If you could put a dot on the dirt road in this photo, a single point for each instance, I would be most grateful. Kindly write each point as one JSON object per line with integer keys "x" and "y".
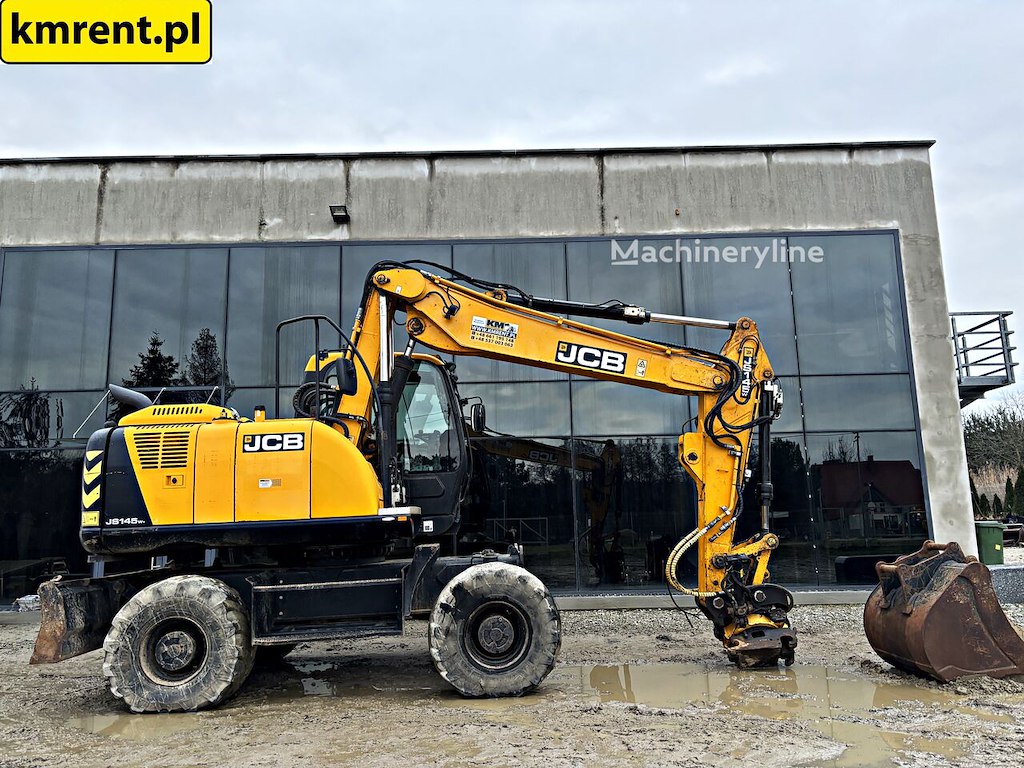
{"x": 632, "y": 688}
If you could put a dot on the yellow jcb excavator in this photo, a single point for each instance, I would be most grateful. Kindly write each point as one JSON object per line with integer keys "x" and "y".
{"x": 268, "y": 532}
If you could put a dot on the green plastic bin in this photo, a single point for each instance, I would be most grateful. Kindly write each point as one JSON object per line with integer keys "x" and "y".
{"x": 990, "y": 541}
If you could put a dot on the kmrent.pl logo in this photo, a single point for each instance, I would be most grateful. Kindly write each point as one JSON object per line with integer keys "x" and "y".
{"x": 776, "y": 250}
{"x": 106, "y": 31}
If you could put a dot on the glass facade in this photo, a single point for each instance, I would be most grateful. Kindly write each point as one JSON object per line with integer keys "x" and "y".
{"x": 585, "y": 471}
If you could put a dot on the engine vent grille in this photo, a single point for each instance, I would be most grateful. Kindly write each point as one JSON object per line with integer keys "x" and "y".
{"x": 177, "y": 410}
{"x": 162, "y": 450}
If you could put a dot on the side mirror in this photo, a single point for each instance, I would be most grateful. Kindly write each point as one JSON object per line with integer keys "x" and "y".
{"x": 347, "y": 381}
{"x": 478, "y": 417}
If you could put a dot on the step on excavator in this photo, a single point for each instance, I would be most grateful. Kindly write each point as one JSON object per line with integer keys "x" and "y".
{"x": 260, "y": 533}
{"x": 935, "y": 614}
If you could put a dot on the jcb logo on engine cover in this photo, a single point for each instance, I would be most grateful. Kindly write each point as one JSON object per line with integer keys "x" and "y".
{"x": 289, "y": 441}
{"x": 591, "y": 357}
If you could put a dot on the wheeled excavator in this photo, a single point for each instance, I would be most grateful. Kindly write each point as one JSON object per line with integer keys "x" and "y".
{"x": 265, "y": 532}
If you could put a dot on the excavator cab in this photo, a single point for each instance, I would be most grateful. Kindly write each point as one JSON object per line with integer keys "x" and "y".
{"x": 431, "y": 444}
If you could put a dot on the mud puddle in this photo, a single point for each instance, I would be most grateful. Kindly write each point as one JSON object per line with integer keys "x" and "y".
{"x": 835, "y": 704}
{"x": 841, "y": 706}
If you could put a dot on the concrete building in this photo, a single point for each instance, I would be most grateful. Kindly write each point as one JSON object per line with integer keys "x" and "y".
{"x": 833, "y": 249}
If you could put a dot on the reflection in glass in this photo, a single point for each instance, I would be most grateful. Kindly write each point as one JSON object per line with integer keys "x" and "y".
{"x": 611, "y": 408}
{"x": 521, "y": 489}
{"x": 657, "y": 287}
{"x": 849, "y": 307}
{"x": 633, "y": 503}
{"x": 175, "y": 294}
{"x": 39, "y": 517}
{"x": 868, "y": 492}
{"x": 857, "y": 402}
{"x": 268, "y": 285}
{"x": 55, "y": 319}
{"x": 536, "y": 268}
{"x": 45, "y": 419}
{"x": 528, "y": 409}
{"x": 755, "y": 285}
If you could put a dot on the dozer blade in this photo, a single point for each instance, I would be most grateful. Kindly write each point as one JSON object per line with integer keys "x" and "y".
{"x": 935, "y": 613}
{"x": 75, "y": 617}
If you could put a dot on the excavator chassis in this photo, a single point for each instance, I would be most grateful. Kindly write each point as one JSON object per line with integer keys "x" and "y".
{"x": 935, "y": 613}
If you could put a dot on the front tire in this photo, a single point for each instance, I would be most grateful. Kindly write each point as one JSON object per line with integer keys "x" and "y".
{"x": 495, "y": 631}
{"x": 179, "y": 645}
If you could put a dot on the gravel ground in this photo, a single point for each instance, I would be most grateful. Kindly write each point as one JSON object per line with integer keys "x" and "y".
{"x": 631, "y": 688}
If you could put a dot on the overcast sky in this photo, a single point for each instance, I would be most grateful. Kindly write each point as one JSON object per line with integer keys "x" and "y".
{"x": 334, "y": 76}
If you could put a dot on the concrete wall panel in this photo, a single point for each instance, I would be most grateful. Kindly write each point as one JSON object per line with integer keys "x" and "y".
{"x": 49, "y": 204}
{"x": 181, "y": 202}
{"x": 296, "y": 199}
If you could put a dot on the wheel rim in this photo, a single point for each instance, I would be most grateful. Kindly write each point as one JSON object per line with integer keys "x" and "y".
{"x": 497, "y": 636}
{"x": 175, "y": 651}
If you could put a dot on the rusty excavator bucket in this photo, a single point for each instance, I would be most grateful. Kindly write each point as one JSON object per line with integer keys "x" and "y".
{"x": 935, "y": 613}
{"x": 75, "y": 617}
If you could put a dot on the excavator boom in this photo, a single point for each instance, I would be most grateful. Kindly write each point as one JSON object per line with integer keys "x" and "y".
{"x": 735, "y": 390}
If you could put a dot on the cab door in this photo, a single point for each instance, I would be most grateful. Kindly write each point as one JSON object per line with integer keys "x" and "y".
{"x": 431, "y": 447}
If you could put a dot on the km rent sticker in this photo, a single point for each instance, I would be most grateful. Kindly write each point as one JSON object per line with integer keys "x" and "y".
{"x": 105, "y": 31}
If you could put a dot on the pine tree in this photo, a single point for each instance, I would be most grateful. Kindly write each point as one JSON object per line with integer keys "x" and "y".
{"x": 1009, "y": 498}
{"x": 997, "y": 507}
{"x": 155, "y": 369}
{"x": 1018, "y": 490}
{"x": 975, "y": 501}
{"x": 984, "y": 506}
{"x": 205, "y": 368}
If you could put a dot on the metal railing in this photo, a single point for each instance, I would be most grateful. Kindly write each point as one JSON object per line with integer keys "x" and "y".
{"x": 984, "y": 356}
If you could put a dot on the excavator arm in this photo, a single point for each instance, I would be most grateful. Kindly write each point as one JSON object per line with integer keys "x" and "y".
{"x": 735, "y": 391}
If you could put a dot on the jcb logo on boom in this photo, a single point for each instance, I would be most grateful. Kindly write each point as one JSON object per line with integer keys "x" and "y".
{"x": 289, "y": 441}
{"x": 591, "y": 357}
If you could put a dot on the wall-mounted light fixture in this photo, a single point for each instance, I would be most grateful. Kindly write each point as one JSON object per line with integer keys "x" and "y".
{"x": 340, "y": 214}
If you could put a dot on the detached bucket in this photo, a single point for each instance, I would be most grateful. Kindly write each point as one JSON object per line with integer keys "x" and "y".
{"x": 935, "y": 613}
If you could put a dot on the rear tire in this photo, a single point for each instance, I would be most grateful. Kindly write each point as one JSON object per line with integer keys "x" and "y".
{"x": 495, "y": 631}
{"x": 181, "y": 644}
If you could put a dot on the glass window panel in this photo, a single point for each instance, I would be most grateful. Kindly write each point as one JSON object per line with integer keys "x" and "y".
{"x": 39, "y": 518}
{"x": 42, "y": 418}
{"x": 524, "y": 409}
{"x": 268, "y": 285}
{"x": 735, "y": 277}
{"x": 798, "y": 558}
{"x": 849, "y": 307}
{"x": 611, "y": 408}
{"x": 426, "y": 441}
{"x": 523, "y": 485}
{"x": 868, "y": 494}
{"x": 857, "y": 402}
{"x": 633, "y": 503}
{"x": 55, "y": 318}
{"x": 536, "y": 268}
{"x": 175, "y": 293}
{"x": 791, "y": 419}
{"x": 655, "y": 286}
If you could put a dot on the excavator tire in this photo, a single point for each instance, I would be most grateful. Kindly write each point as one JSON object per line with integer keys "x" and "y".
{"x": 180, "y": 644}
{"x": 495, "y": 631}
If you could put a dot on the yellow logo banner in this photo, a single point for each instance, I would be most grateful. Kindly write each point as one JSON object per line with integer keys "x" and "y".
{"x": 106, "y": 31}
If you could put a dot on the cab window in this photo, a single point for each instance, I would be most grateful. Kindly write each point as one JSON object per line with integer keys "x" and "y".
{"x": 427, "y": 440}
